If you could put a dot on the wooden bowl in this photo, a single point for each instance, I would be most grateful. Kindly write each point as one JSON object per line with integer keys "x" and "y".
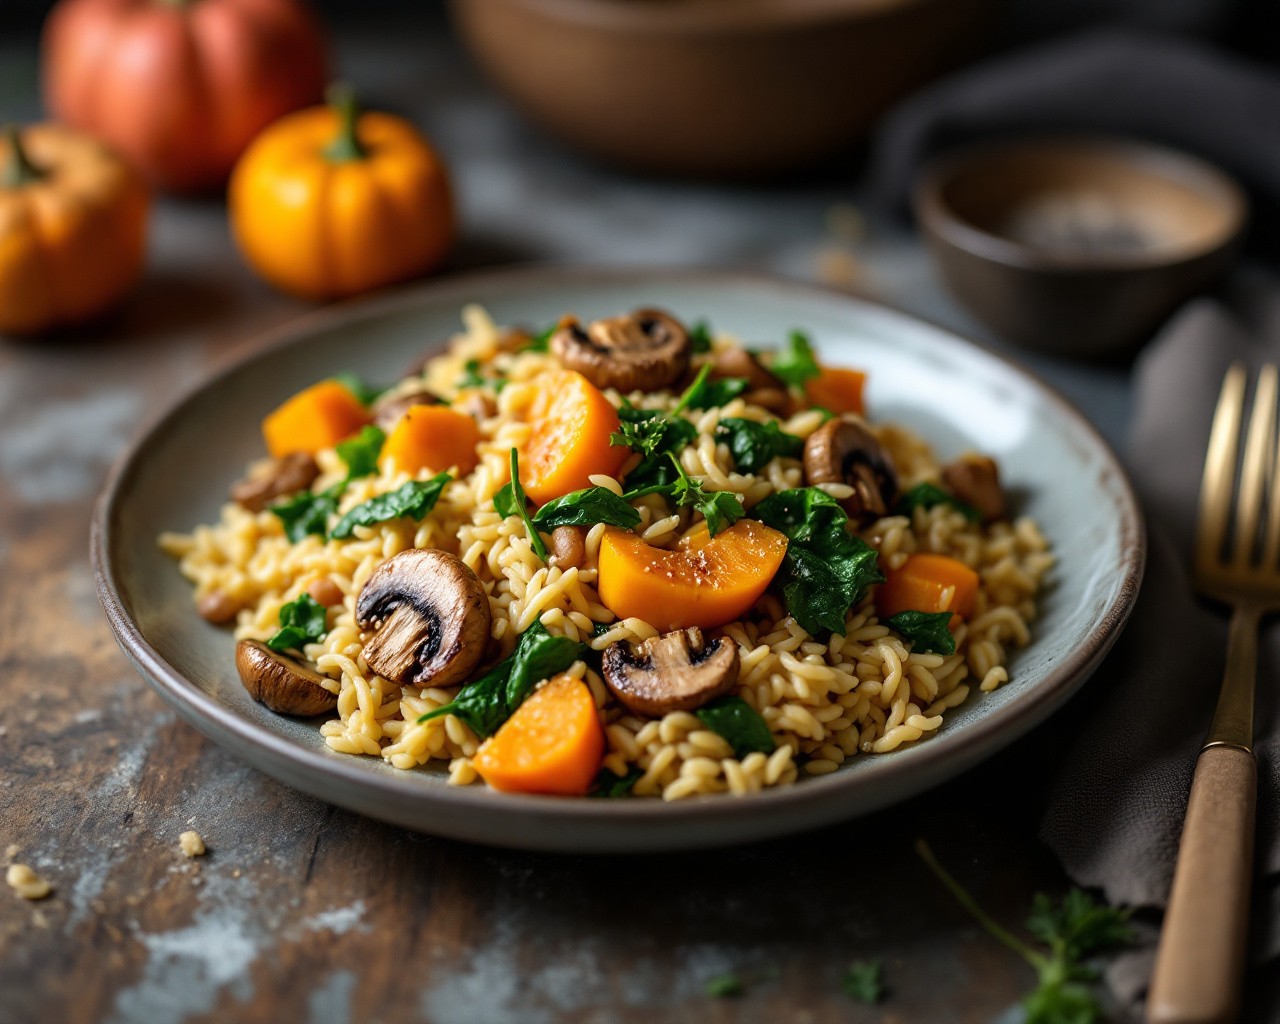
{"x": 1078, "y": 247}
{"x": 715, "y": 88}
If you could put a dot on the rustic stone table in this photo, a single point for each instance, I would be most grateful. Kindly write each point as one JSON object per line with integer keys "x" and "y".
{"x": 302, "y": 912}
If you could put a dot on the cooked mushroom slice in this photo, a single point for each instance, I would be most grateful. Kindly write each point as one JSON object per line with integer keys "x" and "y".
{"x": 643, "y": 351}
{"x": 387, "y": 409}
{"x": 429, "y": 616}
{"x": 777, "y": 400}
{"x": 673, "y": 672}
{"x": 975, "y": 480}
{"x": 275, "y": 479}
{"x": 286, "y": 686}
{"x": 738, "y": 362}
{"x": 845, "y": 451}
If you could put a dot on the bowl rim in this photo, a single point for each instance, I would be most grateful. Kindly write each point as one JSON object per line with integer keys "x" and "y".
{"x": 713, "y": 17}
{"x": 939, "y": 218}
{"x": 983, "y": 737}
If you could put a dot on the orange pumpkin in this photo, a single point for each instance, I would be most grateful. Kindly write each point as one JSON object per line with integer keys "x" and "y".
{"x": 73, "y": 225}
{"x": 329, "y": 202}
{"x": 181, "y": 87}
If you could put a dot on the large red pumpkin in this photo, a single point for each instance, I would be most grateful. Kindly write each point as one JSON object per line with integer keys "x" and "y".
{"x": 180, "y": 87}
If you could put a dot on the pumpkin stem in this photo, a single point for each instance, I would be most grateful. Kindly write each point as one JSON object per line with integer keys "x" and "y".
{"x": 346, "y": 146}
{"x": 19, "y": 170}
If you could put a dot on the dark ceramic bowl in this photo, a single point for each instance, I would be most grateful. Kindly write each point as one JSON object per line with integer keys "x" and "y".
{"x": 715, "y": 88}
{"x": 1077, "y": 247}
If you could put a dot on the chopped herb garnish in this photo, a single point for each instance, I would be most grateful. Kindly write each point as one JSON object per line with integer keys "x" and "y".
{"x": 609, "y": 786}
{"x": 301, "y": 622}
{"x": 361, "y": 452}
{"x": 365, "y": 393}
{"x": 724, "y": 986}
{"x": 654, "y": 434}
{"x": 862, "y": 981}
{"x": 720, "y": 509}
{"x": 511, "y": 501}
{"x": 1072, "y": 930}
{"x": 927, "y": 632}
{"x": 490, "y": 700}
{"x": 926, "y": 495}
{"x": 739, "y": 723}
{"x": 796, "y": 363}
{"x": 473, "y": 378}
{"x": 541, "y": 341}
{"x": 826, "y": 569}
{"x": 306, "y": 513}
{"x": 414, "y": 498}
{"x": 586, "y": 507}
{"x": 700, "y": 337}
{"x": 753, "y": 444}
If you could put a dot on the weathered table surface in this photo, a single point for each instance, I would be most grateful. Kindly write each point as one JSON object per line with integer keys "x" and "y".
{"x": 301, "y": 911}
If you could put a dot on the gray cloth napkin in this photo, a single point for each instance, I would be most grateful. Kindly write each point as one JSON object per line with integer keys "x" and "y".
{"x": 1122, "y": 771}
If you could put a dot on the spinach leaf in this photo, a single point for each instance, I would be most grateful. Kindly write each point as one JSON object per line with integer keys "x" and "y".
{"x": 862, "y": 981}
{"x": 927, "y": 632}
{"x": 719, "y": 508}
{"x": 704, "y": 393}
{"x": 306, "y": 513}
{"x": 365, "y": 393}
{"x": 724, "y": 986}
{"x": 926, "y": 495}
{"x": 538, "y": 656}
{"x": 826, "y": 569}
{"x": 361, "y": 452}
{"x": 511, "y": 501}
{"x": 796, "y": 363}
{"x": 609, "y": 786}
{"x": 490, "y": 700}
{"x": 586, "y": 507}
{"x": 541, "y": 342}
{"x": 414, "y": 498}
{"x": 739, "y": 723}
{"x": 301, "y": 622}
{"x": 753, "y": 444}
{"x": 700, "y": 337}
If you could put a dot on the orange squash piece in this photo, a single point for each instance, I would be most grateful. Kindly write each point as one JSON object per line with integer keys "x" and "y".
{"x": 553, "y": 743}
{"x": 318, "y": 417}
{"x": 572, "y": 421}
{"x": 433, "y": 437}
{"x": 705, "y": 582}
{"x": 928, "y": 583}
{"x": 837, "y": 389}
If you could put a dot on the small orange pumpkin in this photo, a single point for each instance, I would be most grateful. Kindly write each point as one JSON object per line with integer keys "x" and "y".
{"x": 329, "y": 202}
{"x": 73, "y": 225}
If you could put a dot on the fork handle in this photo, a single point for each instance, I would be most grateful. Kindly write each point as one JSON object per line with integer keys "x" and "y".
{"x": 1200, "y": 960}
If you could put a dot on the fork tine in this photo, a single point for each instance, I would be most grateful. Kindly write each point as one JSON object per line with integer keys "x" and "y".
{"x": 1258, "y": 446}
{"x": 1219, "y": 469}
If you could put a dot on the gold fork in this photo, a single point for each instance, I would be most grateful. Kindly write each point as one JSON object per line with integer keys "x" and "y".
{"x": 1200, "y": 960}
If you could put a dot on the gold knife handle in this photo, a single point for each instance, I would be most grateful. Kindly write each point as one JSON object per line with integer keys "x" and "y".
{"x": 1200, "y": 960}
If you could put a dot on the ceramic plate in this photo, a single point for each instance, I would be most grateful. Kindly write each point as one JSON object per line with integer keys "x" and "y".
{"x": 954, "y": 393}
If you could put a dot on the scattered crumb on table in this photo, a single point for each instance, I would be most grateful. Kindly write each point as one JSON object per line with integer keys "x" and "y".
{"x": 11, "y": 851}
{"x": 192, "y": 844}
{"x": 26, "y": 883}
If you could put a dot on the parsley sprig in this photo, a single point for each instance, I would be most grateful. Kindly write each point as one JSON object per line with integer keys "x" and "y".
{"x": 721, "y": 509}
{"x": 1071, "y": 931}
{"x": 795, "y": 363}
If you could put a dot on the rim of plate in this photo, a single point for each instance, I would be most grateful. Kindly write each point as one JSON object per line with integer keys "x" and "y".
{"x": 992, "y": 731}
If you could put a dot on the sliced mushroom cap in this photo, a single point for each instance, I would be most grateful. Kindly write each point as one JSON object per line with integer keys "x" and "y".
{"x": 387, "y": 409}
{"x": 845, "y": 451}
{"x": 430, "y": 618}
{"x": 975, "y": 480}
{"x": 275, "y": 479}
{"x": 738, "y": 362}
{"x": 673, "y": 672}
{"x": 284, "y": 685}
{"x": 647, "y": 350}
